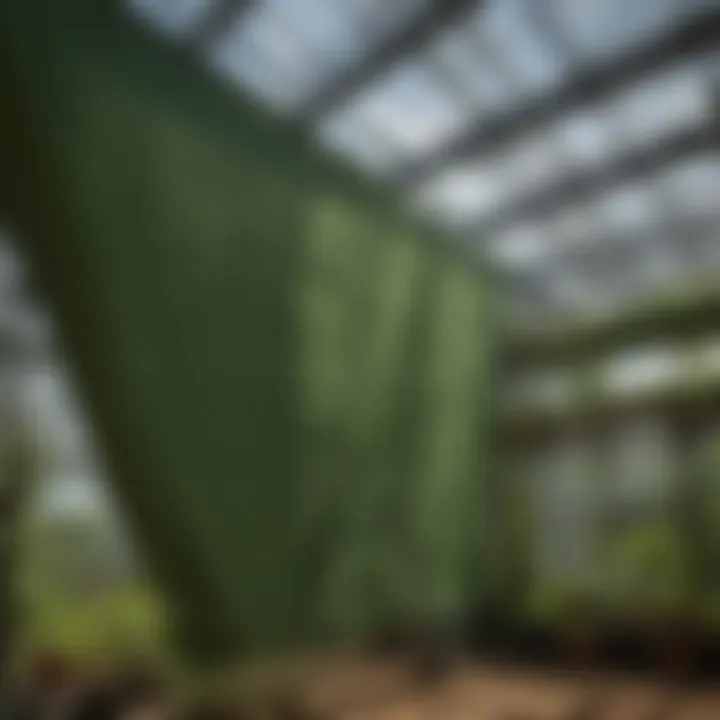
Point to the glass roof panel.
(477, 50)
(380, 18)
(588, 138)
(339, 33)
(175, 18)
(661, 265)
(536, 161)
(522, 246)
(526, 58)
(626, 209)
(331, 28)
(695, 186)
(459, 194)
(576, 225)
(643, 370)
(357, 138)
(286, 50)
(459, 52)
(637, 271)
(263, 52)
(305, 15)
(663, 104)
(410, 108)
(604, 27)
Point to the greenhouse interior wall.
(611, 435)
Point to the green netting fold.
(289, 377)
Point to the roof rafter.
(412, 37)
(665, 319)
(683, 401)
(612, 244)
(583, 185)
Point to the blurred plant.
(81, 594)
(647, 574)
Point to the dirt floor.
(385, 690)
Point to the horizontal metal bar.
(602, 249)
(689, 402)
(585, 184)
(667, 319)
(411, 38)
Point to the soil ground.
(353, 689)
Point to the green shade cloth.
(288, 376)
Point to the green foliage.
(123, 620)
(83, 594)
(647, 571)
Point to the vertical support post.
(678, 646)
(686, 430)
(15, 466)
(14, 475)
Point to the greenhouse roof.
(571, 143)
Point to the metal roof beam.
(584, 185)
(696, 34)
(416, 34)
(662, 319)
(612, 252)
